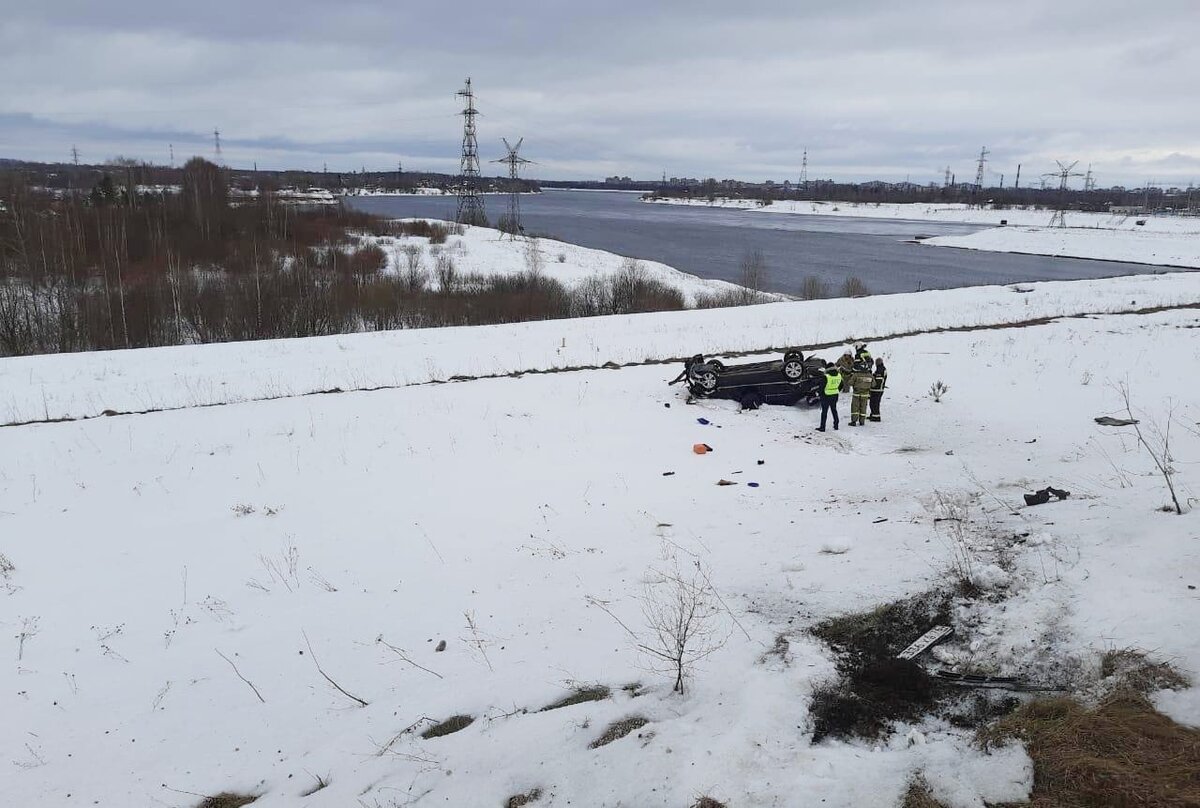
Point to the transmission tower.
(946, 183)
(983, 153)
(512, 224)
(470, 203)
(1089, 182)
(804, 170)
(171, 149)
(1064, 174)
(217, 145)
(75, 155)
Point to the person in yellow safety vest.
(845, 366)
(829, 395)
(860, 383)
(879, 381)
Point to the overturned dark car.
(791, 380)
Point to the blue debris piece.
(752, 485)
(703, 421)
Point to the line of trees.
(115, 269)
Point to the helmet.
(859, 346)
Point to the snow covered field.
(87, 384)
(485, 251)
(1175, 248)
(159, 559)
(1163, 240)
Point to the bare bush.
(813, 288)
(633, 290)
(753, 274)
(446, 272)
(680, 610)
(1156, 439)
(414, 274)
(534, 263)
(854, 286)
(937, 390)
(952, 518)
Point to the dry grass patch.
(918, 796)
(618, 730)
(708, 802)
(580, 695)
(1132, 670)
(1121, 754)
(228, 799)
(451, 725)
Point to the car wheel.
(705, 380)
(793, 369)
(715, 365)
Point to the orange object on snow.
(701, 448)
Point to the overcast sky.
(872, 88)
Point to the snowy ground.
(87, 384)
(1162, 240)
(1148, 245)
(145, 547)
(485, 251)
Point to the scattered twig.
(479, 643)
(404, 656)
(239, 675)
(312, 654)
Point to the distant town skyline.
(872, 90)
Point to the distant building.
(1127, 210)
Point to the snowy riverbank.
(486, 252)
(1172, 241)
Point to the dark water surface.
(710, 242)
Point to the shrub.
(854, 286)
(813, 288)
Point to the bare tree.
(813, 288)
(680, 610)
(414, 269)
(533, 257)
(1157, 445)
(753, 274)
(447, 273)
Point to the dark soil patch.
(580, 696)
(1121, 754)
(874, 688)
(449, 726)
(918, 796)
(227, 799)
(518, 800)
(618, 730)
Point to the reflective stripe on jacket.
(880, 381)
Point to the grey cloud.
(698, 88)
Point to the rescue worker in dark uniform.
(861, 354)
(860, 383)
(878, 383)
(829, 395)
(845, 366)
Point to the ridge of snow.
(86, 384)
